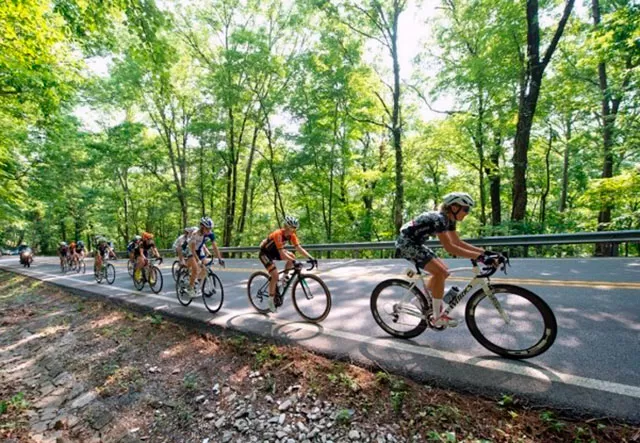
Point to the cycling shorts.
(414, 252)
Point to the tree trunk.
(494, 180)
(528, 100)
(247, 181)
(565, 165)
(545, 192)
(396, 125)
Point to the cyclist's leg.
(98, 261)
(192, 264)
(271, 268)
(439, 273)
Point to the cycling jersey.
(425, 225)
(181, 242)
(133, 244)
(63, 250)
(198, 239)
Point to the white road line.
(546, 375)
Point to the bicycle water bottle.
(451, 294)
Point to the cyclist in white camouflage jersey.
(442, 223)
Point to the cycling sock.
(437, 307)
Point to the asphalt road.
(592, 367)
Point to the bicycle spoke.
(398, 308)
(311, 297)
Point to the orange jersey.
(278, 239)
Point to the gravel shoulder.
(73, 369)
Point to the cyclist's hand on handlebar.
(221, 262)
(159, 260)
(313, 262)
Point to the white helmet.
(291, 221)
(206, 222)
(460, 198)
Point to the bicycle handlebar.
(299, 264)
(488, 271)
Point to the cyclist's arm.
(155, 252)
(303, 251)
(286, 255)
(214, 246)
(458, 241)
(447, 240)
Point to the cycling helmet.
(63, 243)
(206, 222)
(291, 221)
(147, 236)
(460, 198)
(137, 238)
(80, 243)
(191, 229)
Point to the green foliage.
(246, 112)
(268, 355)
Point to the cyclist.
(73, 253)
(132, 245)
(409, 245)
(103, 251)
(198, 252)
(63, 251)
(273, 248)
(181, 245)
(80, 250)
(141, 254)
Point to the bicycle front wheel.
(110, 273)
(311, 297)
(212, 292)
(155, 279)
(258, 291)
(82, 267)
(513, 322)
(130, 267)
(400, 309)
(175, 269)
(182, 284)
(97, 274)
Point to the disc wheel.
(155, 279)
(526, 328)
(258, 291)
(400, 309)
(182, 283)
(311, 297)
(110, 273)
(212, 292)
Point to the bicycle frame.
(476, 280)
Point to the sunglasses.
(465, 209)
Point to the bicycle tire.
(97, 274)
(548, 332)
(416, 330)
(175, 269)
(84, 267)
(110, 273)
(158, 281)
(261, 291)
(301, 282)
(139, 283)
(212, 297)
(130, 267)
(182, 283)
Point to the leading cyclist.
(198, 252)
(410, 245)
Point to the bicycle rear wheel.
(258, 291)
(212, 292)
(155, 279)
(400, 309)
(311, 297)
(527, 329)
(110, 273)
(182, 283)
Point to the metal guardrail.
(513, 240)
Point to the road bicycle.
(131, 266)
(81, 266)
(310, 295)
(210, 288)
(508, 320)
(176, 268)
(151, 274)
(64, 264)
(106, 272)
